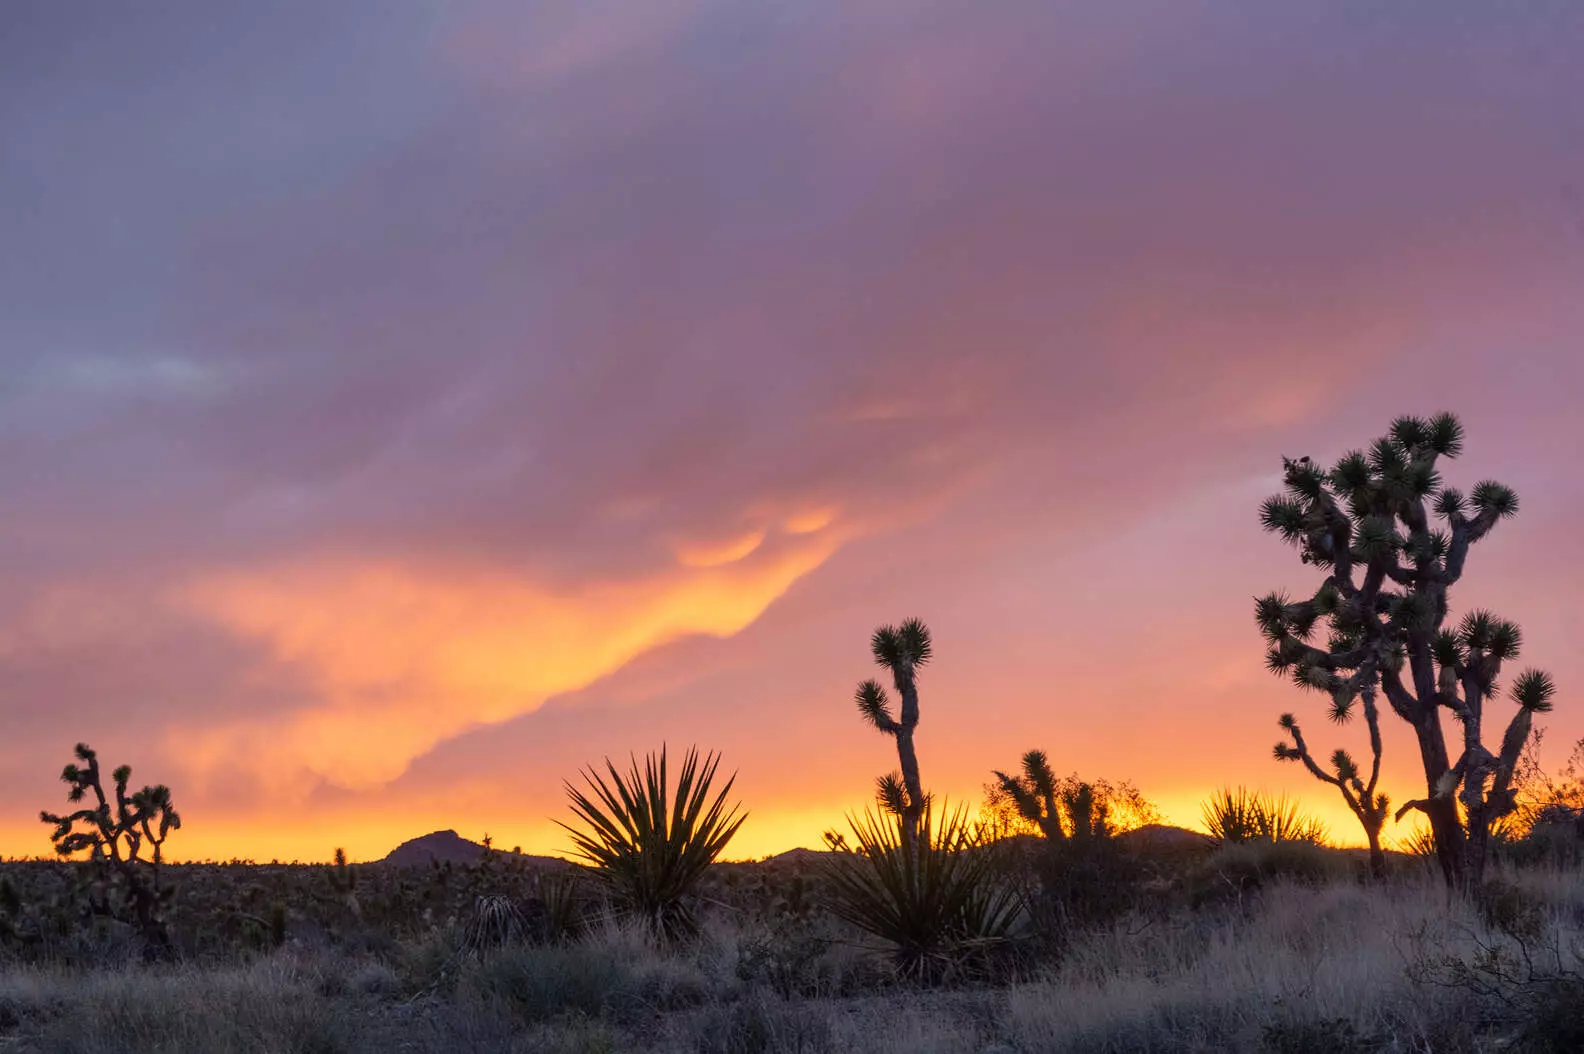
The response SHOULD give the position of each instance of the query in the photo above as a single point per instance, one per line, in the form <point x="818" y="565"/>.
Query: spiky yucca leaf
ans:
<point x="909" y="643"/>
<point x="1446" y="435"/>
<point x="937" y="900"/>
<point x="1242" y="815"/>
<point x="875" y="707"/>
<point x="648" y="850"/>
<point x="1352" y="472"/>
<point x="1498" y="498"/>
<point x="1450" y="502"/>
<point x="496" y="922"/>
<point x="1506" y="640"/>
<point x="891" y="794"/>
<point x="1533" y="690"/>
<point x="1283" y="516"/>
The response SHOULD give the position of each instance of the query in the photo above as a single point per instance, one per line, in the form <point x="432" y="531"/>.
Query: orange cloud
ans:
<point x="403" y="658"/>
<point x="714" y="554"/>
<point x="809" y="520"/>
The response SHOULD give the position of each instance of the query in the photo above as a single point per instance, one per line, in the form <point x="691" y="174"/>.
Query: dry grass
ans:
<point x="1292" y="967"/>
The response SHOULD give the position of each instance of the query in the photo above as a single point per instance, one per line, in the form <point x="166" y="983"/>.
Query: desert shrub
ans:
<point x="612" y="978"/>
<point x="1234" y="871"/>
<point x="264" y="1010"/>
<point x="761" y="1024"/>
<point x="648" y="852"/>
<point x="541" y="984"/>
<point x="1552" y="1019"/>
<point x="1555" y="837"/>
<point x="1240" y="815"/>
<point x="1313" y="1035"/>
<point x="1085" y="884"/>
<point x="1511" y="909"/>
<point x="941" y="901"/>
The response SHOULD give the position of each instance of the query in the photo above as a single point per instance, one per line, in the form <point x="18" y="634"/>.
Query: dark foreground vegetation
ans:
<point x="1259" y="946"/>
<point x="1057" y="917"/>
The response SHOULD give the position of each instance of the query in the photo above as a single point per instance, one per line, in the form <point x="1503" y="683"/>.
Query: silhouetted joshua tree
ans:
<point x="902" y="650"/>
<point x="115" y="833"/>
<point x="1047" y="802"/>
<point x="1392" y="539"/>
<point x="1367" y="804"/>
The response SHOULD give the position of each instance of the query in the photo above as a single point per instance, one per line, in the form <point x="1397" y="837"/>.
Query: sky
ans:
<point x="404" y="405"/>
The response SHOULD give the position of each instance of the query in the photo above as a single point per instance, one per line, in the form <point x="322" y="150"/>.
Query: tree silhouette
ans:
<point x="1392" y="540"/>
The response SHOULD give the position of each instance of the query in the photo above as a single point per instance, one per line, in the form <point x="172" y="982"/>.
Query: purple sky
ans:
<point x="405" y="404"/>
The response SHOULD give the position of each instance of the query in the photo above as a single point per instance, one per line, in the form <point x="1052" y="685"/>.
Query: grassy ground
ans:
<point x="1314" y="961"/>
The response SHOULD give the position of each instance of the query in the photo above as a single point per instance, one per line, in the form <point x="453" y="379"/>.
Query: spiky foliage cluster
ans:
<point x="496" y="922"/>
<point x="1392" y="539"/>
<point x="1241" y="815"/>
<point x="1066" y="808"/>
<point x="1365" y="802"/>
<point x="116" y="830"/>
<point x="648" y="849"/>
<point x="903" y="650"/>
<point x="939" y="900"/>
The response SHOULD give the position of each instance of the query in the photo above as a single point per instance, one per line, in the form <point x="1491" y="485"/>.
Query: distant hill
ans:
<point x="439" y="845"/>
<point x="1163" y="838"/>
<point x="448" y="845"/>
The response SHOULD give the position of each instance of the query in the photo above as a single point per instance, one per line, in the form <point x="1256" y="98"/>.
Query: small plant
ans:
<point x="1365" y="802"/>
<point x="939" y="900"/>
<point x="562" y="903"/>
<point x="1241" y="815"/>
<point x="495" y="923"/>
<point x="649" y="852"/>
<point x="115" y="834"/>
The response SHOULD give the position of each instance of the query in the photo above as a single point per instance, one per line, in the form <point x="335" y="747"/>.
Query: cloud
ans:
<point x="402" y="657"/>
<point x="375" y="379"/>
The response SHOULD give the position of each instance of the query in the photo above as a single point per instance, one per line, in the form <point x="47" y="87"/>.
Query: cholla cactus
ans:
<point x="1392" y="540"/>
<point x="1369" y="805"/>
<point x="115" y="834"/>
<point x="902" y="650"/>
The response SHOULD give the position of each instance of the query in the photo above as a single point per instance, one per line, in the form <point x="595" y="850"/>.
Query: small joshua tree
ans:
<point x="1060" y="809"/>
<point x="1392" y="539"/>
<point x="1366" y="803"/>
<point x="902" y="650"/>
<point x="115" y="834"/>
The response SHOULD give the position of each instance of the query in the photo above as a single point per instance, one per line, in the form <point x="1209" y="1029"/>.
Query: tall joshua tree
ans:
<point x="1392" y="540"/>
<point x="902" y="650"/>
<point x="1366" y="803"/>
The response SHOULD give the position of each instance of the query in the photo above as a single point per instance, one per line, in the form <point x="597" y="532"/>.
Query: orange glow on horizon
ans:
<point x="770" y="829"/>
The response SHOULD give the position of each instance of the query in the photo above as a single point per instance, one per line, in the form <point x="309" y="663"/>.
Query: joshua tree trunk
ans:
<point x="913" y="811"/>
<point x="1440" y="810"/>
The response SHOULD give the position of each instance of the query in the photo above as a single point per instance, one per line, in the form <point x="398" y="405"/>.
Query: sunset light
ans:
<point x="407" y="407"/>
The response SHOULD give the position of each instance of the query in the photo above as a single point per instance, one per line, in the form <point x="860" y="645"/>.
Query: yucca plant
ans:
<point x="940" y="900"/>
<point x="646" y="849"/>
<point x="495" y="923"/>
<point x="1241" y="815"/>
